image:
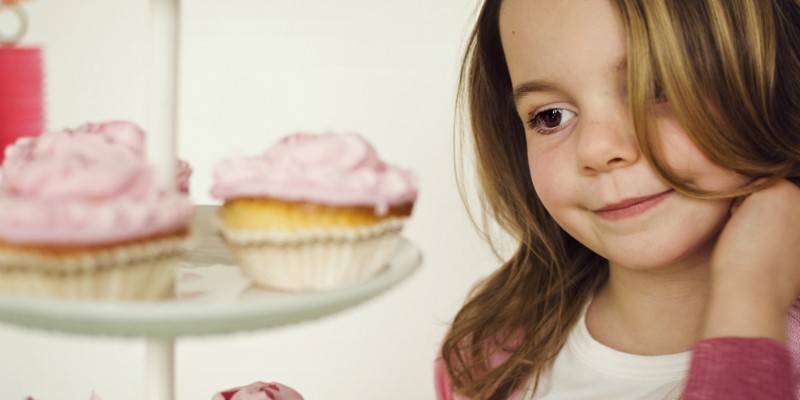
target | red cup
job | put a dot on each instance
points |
(21, 94)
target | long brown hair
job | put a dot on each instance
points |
(731, 71)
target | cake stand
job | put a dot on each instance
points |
(213, 297)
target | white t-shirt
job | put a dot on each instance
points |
(588, 369)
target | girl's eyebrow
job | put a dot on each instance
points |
(543, 85)
(526, 88)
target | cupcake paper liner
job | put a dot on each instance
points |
(141, 271)
(315, 259)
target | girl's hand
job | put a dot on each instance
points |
(755, 265)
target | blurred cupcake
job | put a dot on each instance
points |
(184, 172)
(313, 212)
(81, 217)
(93, 396)
(259, 391)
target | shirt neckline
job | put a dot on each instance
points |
(610, 361)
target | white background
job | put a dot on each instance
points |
(254, 70)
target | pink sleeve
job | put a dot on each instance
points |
(735, 368)
(444, 390)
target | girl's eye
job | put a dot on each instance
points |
(550, 120)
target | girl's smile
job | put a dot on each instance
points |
(632, 207)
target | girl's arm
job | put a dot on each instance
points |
(743, 355)
(755, 279)
(739, 368)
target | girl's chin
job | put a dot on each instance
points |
(654, 259)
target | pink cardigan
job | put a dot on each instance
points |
(720, 369)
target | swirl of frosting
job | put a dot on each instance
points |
(94, 396)
(91, 162)
(88, 185)
(259, 391)
(183, 174)
(332, 169)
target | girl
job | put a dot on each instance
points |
(637, 150)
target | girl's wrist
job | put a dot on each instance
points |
(743, 306)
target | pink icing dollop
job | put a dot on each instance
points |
(259, 391)
(93, 396)
(87, 185)
(329, 168)
(184, 173)
(91, 162)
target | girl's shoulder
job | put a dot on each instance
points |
(443, 385)
(444, 388)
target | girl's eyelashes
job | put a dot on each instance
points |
(548, 121)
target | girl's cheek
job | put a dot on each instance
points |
(688, 161)
(677, 148)
(545, 169)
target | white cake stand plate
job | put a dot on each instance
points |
(213, 297)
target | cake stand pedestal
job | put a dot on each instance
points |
(213, 297)
(160, 368)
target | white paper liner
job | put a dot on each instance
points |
(141, 271)
(314, 260)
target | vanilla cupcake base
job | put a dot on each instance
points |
(314, 260)
(139, 271)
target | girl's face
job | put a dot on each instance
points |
(566, 60)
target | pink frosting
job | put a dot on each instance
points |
(87, 185)
(93, 396)
(333, 169)
(124, 139)
(92, 162)
(259, 391)
(184, 173)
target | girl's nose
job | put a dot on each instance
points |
(606, 144)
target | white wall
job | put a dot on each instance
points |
(254, 70)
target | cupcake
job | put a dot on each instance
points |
(313, 212)
(259, 391)
(93, 396)
(183, 173)
(81, 217)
